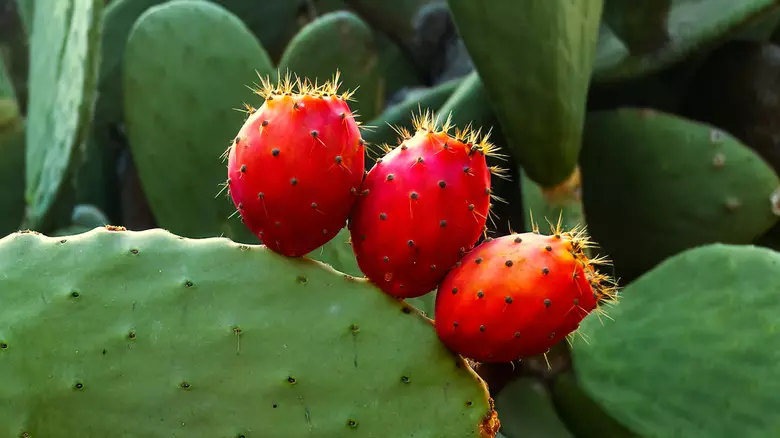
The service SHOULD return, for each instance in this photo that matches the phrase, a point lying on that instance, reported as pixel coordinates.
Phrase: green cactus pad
(11, 176)
(691, 350)
(339, 41)
(654, 184)
(8, 107)
(692, 25)
(150, 334)
(642, 25)
(581, 414)
(400, 114)
(527, 412)
(26, 9)
(395, 18)
(182, 88)
(535, 62)
(544, 207)
(64, 57)
(396, 68)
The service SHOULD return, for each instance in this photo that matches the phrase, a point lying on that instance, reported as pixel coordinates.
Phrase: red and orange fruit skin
(295, 167)
(422, 207)
(516, 296)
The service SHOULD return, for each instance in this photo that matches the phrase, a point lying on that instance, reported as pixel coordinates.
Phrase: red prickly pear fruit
(422, 206)
(295, 167)
(516, 296)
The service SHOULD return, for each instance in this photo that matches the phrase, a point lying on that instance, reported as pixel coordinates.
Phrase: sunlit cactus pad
(150, 334)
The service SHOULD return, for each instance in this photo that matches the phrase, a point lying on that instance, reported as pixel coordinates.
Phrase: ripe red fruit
(518, 295)
(295, 168)
(423, 205)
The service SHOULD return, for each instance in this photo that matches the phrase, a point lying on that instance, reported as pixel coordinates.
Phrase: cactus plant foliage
(211, 338)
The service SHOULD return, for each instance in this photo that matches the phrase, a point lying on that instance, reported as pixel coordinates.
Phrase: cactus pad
(538, 83)
(158, 335)
(692, 25)
(691, 350)
(64, 56)
(339, 41)
(182, 88)
(654, 184)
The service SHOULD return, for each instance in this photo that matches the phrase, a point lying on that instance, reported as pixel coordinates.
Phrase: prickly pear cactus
(642, 25)
(692, 25)
(691, 348)
(175, 336)
(12, 153)
(64, 57)
(182, 88)
(528, 411)
(539, 90)
(339, 41)
(654, 184)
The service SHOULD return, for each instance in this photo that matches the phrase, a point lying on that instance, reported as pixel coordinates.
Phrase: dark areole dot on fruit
(478, 260)
(134, 251)
(517, 334)
(260, 195)
(405, 309)
(508, 263)
(382, 216)
(518, 239)
(433, 267)
(547, 302)
(243, 168)
(420, 160)
(338, 159)
(454, 323)
(442, 223)
(545, 270)
(410, 242)
(414, 195)
(313, 205)
(277, 224)
(291, 380)
(471, 207)
(480, 294)
(548, 248)
(188, 283)
(467, 169)
(352, 423)
(275, 152)
(314, 133)
(265, 123)
(508, 300)
(405, 379)
(442, 184)
(454, 290)
(390, 177)
(386, 259)
(293, 181)
(240, 206)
